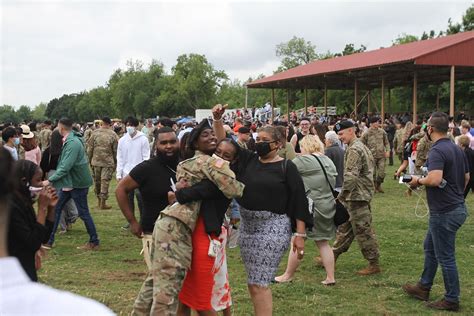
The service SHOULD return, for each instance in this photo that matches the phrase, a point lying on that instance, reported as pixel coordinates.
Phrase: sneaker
(444, 305)
(417, 291)
(89, 246)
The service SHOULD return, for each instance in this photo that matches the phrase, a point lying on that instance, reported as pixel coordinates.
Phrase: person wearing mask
(273, 205)
(133, 148)
(448, 176)
(19, 294)
(29, 143)
(464, 143)
(102, 154)
(314, 167)
(153, 179)
(27, 231)
(44, 136)
(172, 234)
(49, 164)
(356, 193)
(11, 141)
(72, 179)
(305, 127)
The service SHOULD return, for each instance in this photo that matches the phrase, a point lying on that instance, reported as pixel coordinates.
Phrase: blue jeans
(439, 249)
(80, 199)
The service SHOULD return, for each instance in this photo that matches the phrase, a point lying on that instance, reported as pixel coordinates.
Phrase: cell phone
(406, 178)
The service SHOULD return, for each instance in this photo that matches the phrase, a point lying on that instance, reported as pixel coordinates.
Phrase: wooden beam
(389, 105)
(382, 105)
(415, 92)
(273, 105)
(325, 99)
(305, 102)
(437, 100)
(451, 92)
(288, 104)
(368, 102)
(246, 96)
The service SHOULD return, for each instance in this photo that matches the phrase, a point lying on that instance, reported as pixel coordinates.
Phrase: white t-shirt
(20, 296)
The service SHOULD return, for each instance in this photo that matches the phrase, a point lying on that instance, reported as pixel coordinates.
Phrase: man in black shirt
(154, 179)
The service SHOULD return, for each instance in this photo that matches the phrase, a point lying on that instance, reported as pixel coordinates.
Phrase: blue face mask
(16, 141)
(130, 130)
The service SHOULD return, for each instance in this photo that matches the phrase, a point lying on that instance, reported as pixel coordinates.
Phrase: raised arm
(217, 113)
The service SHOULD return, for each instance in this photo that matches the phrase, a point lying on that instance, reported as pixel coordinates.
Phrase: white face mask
(34, 192)
(130, 130)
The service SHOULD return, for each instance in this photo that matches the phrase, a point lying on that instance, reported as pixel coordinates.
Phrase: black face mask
(263, 148)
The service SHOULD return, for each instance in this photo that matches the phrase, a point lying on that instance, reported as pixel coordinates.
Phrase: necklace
(170, 169)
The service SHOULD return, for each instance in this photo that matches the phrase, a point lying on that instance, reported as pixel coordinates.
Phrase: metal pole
(355, 97)
(273, 105)
(288, 104)
(415, 88)
(451, 93)
(437, 100)
(389, 105)
(246, 96)
(368, 102)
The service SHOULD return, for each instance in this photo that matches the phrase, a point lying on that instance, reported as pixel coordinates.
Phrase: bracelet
(215, 120)
(300, 235)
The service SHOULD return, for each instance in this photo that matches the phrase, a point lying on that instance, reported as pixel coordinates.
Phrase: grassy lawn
(114, 274)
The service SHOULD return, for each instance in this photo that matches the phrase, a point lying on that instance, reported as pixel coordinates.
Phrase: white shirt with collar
(20, 296)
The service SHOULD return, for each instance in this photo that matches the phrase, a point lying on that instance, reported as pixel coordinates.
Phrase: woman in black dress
(273, 205)
(26, 230)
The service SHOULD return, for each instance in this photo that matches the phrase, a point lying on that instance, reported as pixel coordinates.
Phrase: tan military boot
(103, 205)
(373, 268)
(380, 190)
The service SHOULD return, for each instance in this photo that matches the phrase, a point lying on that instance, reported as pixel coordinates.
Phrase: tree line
(193, 82)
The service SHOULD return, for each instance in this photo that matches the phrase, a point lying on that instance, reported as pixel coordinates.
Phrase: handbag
(342, 215)
(311, 206)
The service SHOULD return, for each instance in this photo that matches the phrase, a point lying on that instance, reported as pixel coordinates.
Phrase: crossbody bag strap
(324, 170)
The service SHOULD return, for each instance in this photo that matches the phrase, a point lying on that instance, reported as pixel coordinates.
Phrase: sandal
(328, 283)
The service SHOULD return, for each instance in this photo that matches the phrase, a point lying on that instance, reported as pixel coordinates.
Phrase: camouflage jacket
(194, 170)
(422, 149)
(102, 148)
(398, 141)
(44, 138)
(377, 141)
(358, 173)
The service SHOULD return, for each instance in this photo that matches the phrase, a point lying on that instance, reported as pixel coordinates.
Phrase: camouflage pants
(170, 259)
(379, 170)
(102, 177)
(359, 227)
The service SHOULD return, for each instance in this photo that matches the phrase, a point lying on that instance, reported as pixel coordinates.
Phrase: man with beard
(153, 179)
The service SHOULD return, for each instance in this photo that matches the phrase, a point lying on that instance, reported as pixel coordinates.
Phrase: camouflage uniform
(87, 135)
(172, 245)
(102, 153)
(398, 143)
(356, 193)
(422, 149)
(377, 141)
(44, 138)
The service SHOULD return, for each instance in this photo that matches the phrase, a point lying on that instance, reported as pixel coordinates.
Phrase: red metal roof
(457, 50)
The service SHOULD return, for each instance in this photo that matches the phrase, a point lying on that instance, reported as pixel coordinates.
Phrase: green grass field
(113, 275)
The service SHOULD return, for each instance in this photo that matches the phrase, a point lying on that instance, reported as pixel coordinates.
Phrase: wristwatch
(300, 235)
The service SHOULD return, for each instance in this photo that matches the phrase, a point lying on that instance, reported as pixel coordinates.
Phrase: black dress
(25, 235)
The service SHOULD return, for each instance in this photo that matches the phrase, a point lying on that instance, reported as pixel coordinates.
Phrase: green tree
(38, 113)
(24, 113)
(404, 38)
(295, 52)
(8, 114)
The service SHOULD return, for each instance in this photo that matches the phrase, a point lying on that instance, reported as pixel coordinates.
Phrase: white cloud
(49, 48)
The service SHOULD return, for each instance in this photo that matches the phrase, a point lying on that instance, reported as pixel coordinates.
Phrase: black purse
(341, 215)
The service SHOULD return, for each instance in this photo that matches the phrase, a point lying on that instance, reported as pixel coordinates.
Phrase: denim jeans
(439, 249)
(80, 199)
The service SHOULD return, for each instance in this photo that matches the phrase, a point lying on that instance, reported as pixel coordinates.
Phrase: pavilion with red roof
(431, 61)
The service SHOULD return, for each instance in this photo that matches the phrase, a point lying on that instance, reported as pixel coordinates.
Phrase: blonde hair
(312, 144)
(464, 141)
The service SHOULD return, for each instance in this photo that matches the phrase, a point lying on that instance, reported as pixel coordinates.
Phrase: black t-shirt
(153, 177)
(446, 156)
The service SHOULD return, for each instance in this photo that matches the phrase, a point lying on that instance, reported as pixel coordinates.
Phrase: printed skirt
(264, 238)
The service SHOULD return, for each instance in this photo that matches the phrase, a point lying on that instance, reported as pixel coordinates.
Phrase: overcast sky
(49, 48)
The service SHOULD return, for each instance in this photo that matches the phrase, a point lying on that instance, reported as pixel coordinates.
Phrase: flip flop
(328, 283)
(282, 282)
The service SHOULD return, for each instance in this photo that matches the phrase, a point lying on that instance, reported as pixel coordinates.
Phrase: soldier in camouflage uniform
(102, 153)
(398, 141)
(172, 235)
(377, 141)
(88, 132)
(44, 137)
(356, 193)
(422, 149)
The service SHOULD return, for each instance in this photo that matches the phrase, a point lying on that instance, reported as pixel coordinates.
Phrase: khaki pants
(102, 177)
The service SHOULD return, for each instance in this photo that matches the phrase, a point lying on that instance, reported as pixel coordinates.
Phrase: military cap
(244, 130)
(196, 132)
(343, 125)
(375, 119)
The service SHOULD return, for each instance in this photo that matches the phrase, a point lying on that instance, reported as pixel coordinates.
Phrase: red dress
(206, 285)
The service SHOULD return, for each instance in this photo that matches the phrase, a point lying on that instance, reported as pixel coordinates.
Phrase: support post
(368, 102)
(437, 100)
(288, 104)
(382, 105)
(273, 105)
(355, 97)
(451, 92)
(305, 102)
(415, 92)
(246, 96)
(325, 99)
(389, 105)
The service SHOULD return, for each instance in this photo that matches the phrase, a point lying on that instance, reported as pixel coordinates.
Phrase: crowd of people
(271, 185)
